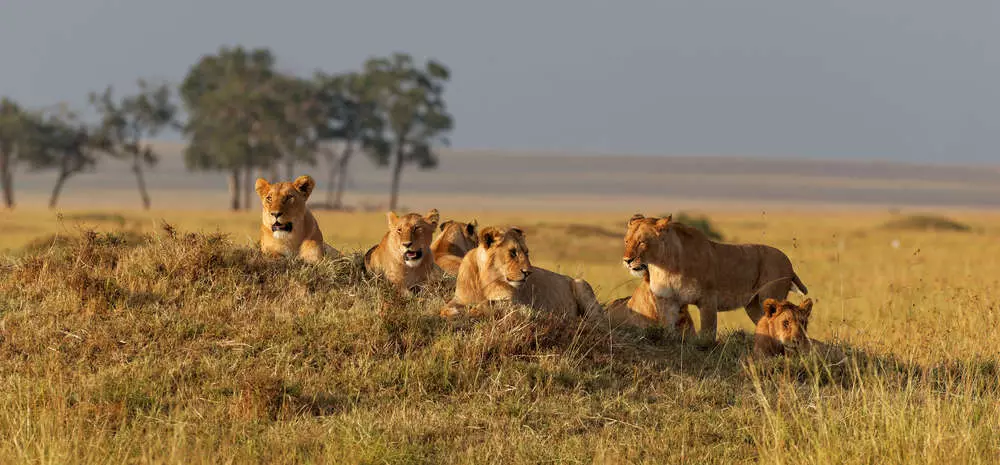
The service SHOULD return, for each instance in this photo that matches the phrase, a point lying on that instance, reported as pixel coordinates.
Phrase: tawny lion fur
(499, 269)
(644, 309)
(685, 267)
(404, 255)
(287, 227)
(455, 240)
(783, 328)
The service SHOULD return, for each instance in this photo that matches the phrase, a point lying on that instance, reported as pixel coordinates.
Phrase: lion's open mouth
(413, 255)
(639, 268)
(516, 282)
(286, 227)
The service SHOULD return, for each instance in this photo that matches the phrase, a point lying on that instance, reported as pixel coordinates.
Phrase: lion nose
(628, 261)
(407, 244)
(525, 273)
(275, 214)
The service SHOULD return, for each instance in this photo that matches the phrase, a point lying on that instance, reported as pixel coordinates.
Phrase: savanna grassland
(122, 341)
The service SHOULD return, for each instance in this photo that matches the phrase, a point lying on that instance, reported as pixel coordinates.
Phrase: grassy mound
(185, 348)
(926, 223)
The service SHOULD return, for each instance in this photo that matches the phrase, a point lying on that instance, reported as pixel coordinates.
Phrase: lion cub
(499, 269)
(287, 227)
(782, 328)
(404, 255)
(456, 240)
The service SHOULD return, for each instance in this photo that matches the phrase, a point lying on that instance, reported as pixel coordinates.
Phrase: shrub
(701, 223)
(926, 223)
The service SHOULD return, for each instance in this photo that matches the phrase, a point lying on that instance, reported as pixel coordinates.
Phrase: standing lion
(687, 268)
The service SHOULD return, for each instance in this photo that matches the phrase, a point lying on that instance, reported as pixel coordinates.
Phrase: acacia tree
(125, 123)
(411, 100)
(350, 117)
(61, 141)
(14, 126)
(226, 97)
(290, 117)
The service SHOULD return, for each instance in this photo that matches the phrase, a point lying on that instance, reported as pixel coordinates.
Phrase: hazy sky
(892, 79)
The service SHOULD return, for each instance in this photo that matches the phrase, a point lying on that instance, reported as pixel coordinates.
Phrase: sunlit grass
(141, 347)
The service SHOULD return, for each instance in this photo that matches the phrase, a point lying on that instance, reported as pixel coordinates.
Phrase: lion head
(786, 323)
(284, 204)
(411, 235)
(506, 256)
(460, 237)
(642, 239)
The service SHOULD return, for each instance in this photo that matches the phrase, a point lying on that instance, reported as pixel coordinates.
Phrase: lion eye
(513, 253)
(268, 198)
(289, 199)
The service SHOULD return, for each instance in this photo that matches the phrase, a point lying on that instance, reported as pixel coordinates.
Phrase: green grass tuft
(926, 223)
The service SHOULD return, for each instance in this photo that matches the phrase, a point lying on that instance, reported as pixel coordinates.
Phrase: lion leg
(452, 309)
(709, 312)
(311, 251)
(668, 312)
(586, 302)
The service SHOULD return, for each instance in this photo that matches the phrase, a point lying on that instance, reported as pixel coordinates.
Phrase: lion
(685, 267)
(456, 239)
(644, 309)
(782, 328)
(287, 227)
(499, 269)
(404, 255)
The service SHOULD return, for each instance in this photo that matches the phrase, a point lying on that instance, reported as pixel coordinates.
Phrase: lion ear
(391, 216)
(305, 185)
(445, 224)
(489, 236)
(432, 217)
(663, 223)
(807, 307)
(636, 217)
(470, 228)
(770, 307)
(262, 186)
(517, 230)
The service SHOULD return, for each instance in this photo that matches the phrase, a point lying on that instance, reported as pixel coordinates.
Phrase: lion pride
(287, 227)
(499, 269)
(404, 255)
(455, 240)
(685, 267)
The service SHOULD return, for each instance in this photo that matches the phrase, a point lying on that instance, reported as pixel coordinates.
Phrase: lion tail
(798, 284)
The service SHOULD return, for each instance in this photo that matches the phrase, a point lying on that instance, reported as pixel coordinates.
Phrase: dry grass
(137, 345)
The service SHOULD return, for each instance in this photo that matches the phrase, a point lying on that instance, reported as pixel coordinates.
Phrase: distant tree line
(244, 118)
